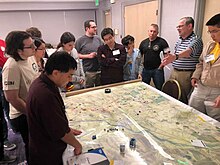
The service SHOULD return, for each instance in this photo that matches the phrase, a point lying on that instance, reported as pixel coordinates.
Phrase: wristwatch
(177, 56)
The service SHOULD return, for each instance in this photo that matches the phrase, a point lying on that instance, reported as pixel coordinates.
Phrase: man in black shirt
(151, 48)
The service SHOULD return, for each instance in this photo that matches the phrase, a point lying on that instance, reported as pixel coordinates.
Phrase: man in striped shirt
(186, 55)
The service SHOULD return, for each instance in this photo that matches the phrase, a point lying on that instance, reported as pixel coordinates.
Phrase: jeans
(1, 132)
(5, 106)
(20, 125)
(156, 74)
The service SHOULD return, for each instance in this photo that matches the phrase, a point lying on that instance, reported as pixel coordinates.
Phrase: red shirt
(3, 59)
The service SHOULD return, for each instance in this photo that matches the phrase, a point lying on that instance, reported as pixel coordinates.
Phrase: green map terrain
(163, 128)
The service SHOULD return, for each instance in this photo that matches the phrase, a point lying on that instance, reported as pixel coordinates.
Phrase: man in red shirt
(3, 59)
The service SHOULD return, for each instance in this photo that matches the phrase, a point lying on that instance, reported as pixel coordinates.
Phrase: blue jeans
(20, 125)
(156, 74)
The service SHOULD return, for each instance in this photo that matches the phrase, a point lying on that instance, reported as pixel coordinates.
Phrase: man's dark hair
(87, 23)
(60, 61)
(106, 31)
(214, 21)
(189, 20)
(34, 32)
(127, 40)
(66, 38)
(14, 41)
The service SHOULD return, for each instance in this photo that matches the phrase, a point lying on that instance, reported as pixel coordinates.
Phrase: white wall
(51, 18)
(171, 12)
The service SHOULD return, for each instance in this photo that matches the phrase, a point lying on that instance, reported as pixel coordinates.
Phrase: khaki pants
(204, 93)
(184, 79)
(92, 79)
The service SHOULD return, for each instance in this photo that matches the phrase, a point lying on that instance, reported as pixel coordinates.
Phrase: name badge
(116, 52)
(209, 58)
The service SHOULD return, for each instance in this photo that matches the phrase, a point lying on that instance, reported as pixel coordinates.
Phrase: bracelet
(177, 56)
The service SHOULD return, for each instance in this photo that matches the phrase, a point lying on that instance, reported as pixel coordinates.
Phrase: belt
(184, 70)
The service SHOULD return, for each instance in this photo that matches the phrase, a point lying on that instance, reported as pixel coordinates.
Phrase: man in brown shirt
(47, 121)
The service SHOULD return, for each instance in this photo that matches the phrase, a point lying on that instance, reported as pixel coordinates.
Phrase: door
(138, 18)
(108, 18)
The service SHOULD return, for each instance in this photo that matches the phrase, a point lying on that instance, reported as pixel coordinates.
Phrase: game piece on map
(93, 137)
(122, 148)
(133, 143)
(107, 90)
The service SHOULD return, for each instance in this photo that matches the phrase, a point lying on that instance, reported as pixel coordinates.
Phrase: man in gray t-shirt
(87, 46)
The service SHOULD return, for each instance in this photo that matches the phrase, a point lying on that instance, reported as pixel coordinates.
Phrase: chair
(172, 88)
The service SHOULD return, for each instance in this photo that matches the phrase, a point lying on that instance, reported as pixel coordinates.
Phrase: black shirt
(151, 51)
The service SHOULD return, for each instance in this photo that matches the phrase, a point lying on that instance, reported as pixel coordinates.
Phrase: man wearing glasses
(206, 78)
(87, 47)
(186, 55)
(112, 57)
(18, 73)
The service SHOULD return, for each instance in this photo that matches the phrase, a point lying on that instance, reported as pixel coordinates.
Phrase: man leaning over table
(47, 121)
(206, 78)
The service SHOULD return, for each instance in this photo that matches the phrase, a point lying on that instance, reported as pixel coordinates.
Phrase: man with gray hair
(186, 55)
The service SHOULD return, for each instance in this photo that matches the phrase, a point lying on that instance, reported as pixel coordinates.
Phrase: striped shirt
(195, 44)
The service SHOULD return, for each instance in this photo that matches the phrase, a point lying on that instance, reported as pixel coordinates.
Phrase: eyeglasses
(213, 31)
(179, 26)
(32, 46)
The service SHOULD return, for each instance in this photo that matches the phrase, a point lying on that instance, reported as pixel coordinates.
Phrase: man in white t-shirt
(18, 73)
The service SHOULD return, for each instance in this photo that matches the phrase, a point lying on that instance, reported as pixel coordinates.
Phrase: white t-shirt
(18, 75)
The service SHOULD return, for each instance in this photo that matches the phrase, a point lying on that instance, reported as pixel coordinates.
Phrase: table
(162, 126)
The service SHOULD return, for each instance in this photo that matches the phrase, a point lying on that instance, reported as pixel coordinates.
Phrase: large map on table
(163, 128)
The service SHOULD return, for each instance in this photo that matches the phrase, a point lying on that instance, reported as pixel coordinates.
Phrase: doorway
(137, 19)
